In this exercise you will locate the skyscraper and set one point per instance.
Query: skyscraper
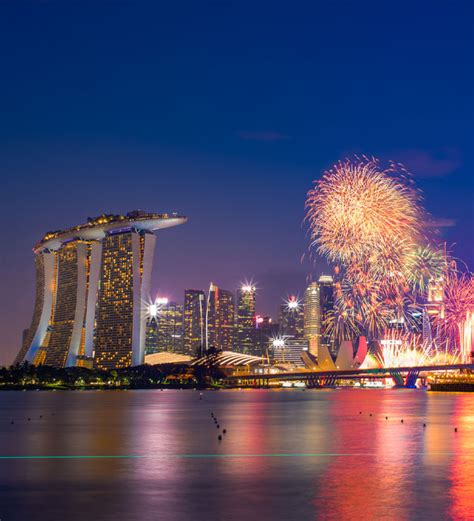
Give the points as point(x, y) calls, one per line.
point(265, 331)
point(91, 283)
point(194, 322)
point(326, 298)
point(220, 315)
point(245, 319)
point(312, 317)
point(291, 318)
point(165, 329)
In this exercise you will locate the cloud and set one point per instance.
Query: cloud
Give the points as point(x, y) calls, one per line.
point(268, 136)
point(442, 222)
point(437, 163)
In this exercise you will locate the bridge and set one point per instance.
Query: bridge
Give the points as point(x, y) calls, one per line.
point(402, 376)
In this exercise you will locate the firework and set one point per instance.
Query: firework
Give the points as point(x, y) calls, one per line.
point(359, 210)
point(422, 265)
point(456, 319)
point(406, 350)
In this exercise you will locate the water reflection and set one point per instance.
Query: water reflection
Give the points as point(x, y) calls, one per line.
point(287, 455)
point(461, 470)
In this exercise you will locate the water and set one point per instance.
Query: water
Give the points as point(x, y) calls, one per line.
point(287, 455)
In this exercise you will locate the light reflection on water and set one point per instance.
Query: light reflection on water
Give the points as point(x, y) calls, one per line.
point(313, 456)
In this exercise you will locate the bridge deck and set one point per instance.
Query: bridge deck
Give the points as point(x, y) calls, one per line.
point(351, 373)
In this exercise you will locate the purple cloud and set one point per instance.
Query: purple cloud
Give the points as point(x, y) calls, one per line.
point(269, 136)
point(438, 163)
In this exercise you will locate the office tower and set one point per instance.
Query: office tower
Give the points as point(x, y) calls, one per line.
point(291, 318)
point(265, 331)
point(312, 317)
point(194, 322)
point(245, 319)
point(220, 314)
point(91, 283)
point(326, 299)
point(289, 350)
point(165, 328)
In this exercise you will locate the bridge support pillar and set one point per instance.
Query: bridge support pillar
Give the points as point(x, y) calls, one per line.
point(397, 377)
point(411, 378)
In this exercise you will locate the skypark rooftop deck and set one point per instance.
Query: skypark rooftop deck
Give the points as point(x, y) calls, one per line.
point(97, 227)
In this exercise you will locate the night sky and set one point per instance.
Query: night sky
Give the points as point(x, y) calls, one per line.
point(224, 112)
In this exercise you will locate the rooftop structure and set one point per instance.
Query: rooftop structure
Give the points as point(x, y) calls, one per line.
point(96, 228)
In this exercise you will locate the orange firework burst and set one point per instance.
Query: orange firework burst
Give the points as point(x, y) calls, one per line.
point(359, 210)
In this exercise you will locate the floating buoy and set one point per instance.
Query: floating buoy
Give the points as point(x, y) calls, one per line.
point(401, 421)
point(370, 414)
point(224, 431)
point(424, 425)
point(217, 425)
point(29, 419)
point(219, 437)
point(455, 429)
point(386, 417)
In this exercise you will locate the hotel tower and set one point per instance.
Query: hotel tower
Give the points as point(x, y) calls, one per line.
point(92, 286)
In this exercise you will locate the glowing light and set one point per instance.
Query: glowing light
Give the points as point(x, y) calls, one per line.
point(247, 287)
point(153, 310)
point(293, 303)
point(278, 342)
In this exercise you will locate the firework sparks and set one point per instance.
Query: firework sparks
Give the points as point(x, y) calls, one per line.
point(423, 265)
point(457, 318)
point(358, 210)
point(405, 350)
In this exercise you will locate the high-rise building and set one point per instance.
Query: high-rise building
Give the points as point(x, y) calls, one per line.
point(220, 315)
point(291, 318)
point(165, 329)
point(245, 320)
point(91, 284)
point(194, 322)
point(265, 331)
point(326, 299)
point(312, 317)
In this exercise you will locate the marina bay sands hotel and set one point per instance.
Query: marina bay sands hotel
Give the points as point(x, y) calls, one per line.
point(92, 285)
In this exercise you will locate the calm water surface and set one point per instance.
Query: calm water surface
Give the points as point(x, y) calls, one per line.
point(287, 455)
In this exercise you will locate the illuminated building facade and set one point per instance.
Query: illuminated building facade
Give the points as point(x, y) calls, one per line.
point(245, 320)
point(291, 318)
point(326, 300)
point(290, 351)
point(164, 332)
point(91, 283)
point(312, 317)
point(220, 315)
point(194, 318)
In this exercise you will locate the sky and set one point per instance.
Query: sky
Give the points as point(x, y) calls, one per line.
point(225, 112)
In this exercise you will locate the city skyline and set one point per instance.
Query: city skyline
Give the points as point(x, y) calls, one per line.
point(233, 138)
point(302, 347)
